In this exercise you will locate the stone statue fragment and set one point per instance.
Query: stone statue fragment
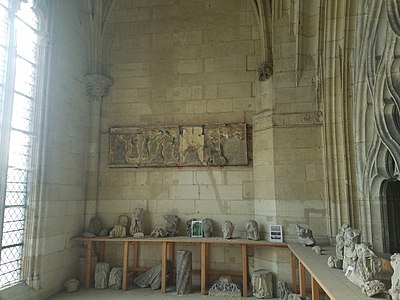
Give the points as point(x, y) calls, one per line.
point(367, 265)
point(252, 230)
point(71, 285)
point(137, 225)
point(208, 227)
point(115, 279)
point(101, 274)
point(224, 287)
point(372, 288)
point(305, 236)
point(227, 229)
point(183, 272)
point(333, 262)
point(285, 293)
point(394, 291)
point(351, 238)
point(159, 232)
point(152, 277)
point(94, 225)
point(261, 281)
point(317, 249)
point(340, 241)
point(171, 224)
point(119, 230)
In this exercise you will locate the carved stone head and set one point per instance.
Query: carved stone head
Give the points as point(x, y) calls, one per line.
point(208, 227)
point(227, 229)
point(252, 230)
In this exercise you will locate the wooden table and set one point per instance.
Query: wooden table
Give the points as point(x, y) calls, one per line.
point(331, 281)
point(168, 244)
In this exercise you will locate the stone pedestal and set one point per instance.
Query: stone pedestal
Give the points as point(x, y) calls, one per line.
point(261, 281)
point(183, 272)
point(101, 275)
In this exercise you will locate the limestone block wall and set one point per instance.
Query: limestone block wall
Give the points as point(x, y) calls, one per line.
point(64, 184)
point(186, 62)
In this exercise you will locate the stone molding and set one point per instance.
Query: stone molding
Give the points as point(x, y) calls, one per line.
point(298, 119)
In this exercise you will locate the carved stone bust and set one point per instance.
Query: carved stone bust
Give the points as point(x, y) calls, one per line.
point(227, 229)
point(252, 230)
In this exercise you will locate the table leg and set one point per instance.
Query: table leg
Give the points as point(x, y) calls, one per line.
point(89, 245)
point(302, 281)
point(164, 267)
point(314, 289)
point(102, 251)
point(125, 266)
point(294, 275)
point(244, 269)
point(135, 256)
point(203, 270)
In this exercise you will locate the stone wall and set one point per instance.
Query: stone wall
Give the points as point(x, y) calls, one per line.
point(179, 63)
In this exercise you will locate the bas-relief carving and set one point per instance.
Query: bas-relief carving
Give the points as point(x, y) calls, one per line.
point(115, 279)
point(297, 119)
point(101, 275)
point(137, 225)
point(252, 230)
point(216, 145)
point(261, 281)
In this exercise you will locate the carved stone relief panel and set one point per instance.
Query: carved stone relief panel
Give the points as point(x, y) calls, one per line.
point(212, 145)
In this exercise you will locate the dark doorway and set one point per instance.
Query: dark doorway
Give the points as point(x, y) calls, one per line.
point(390, 193)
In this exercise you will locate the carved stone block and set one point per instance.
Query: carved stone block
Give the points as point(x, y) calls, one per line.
point(394, 291)
point(261, 281)
point(101, 275)
point(183, 272)
point(224, 287)
point(115, 279)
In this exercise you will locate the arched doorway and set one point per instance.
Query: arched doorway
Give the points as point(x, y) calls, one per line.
point(390, 196)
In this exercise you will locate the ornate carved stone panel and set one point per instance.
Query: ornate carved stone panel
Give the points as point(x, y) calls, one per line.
point(212, 145)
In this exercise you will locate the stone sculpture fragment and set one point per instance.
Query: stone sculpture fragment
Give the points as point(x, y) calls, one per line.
point(394, 290)
point(183, 272)
point(305, 236)
point(351, 238)
point(227, 229)
point(372, 288)
point(159, 232)
point(137, 225)
point(115, 279)
point(261, 281)
point(208, 227)
point(152, 277)
point(171, 224)
point(224, 287)
point(340, 241)
point(252, 230)
point(71, 285)
point(119, 230)
point(101, 275)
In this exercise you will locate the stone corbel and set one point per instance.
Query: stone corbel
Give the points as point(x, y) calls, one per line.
point(97, 86)
point(264, 71)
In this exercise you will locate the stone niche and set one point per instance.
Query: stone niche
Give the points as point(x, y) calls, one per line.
point(206, 145)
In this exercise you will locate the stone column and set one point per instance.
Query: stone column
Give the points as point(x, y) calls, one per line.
point(183, 272)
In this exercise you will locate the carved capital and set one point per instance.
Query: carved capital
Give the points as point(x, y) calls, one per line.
point(97, 86)
point(265, 71)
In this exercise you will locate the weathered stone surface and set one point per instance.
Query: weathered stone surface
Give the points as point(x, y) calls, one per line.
point(351, 238)
point(71, 285)
point(208, 227)
point(137, 225)
point(252, 230)
point(224, 287)
point(119, 230)
point(152, 277)
point(171, 224)
point(317, 249)
point(227, 229)
point(261, 281)
point(183, 272)
point(340, 241)
point(372, 288)
point(159, 232)
point(305, 236)
point(101, 275)
point(95, 225)
point(115, 279)
point(394, 290)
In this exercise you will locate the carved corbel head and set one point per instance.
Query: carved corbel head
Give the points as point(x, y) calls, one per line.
point(265, 71)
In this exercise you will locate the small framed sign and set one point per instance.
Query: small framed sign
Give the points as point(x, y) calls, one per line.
point(197, 228)
point(275, 234)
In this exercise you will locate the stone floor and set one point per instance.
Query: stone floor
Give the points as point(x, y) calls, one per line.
point(137, 294)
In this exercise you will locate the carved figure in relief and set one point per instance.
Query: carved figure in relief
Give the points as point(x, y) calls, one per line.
point(227, 229)
point(171, 224)
point(208, 227)
point(305, 236)
point(394, 291)
point(119, 230)
point(159, 232)
point(252, 230)
point(340, 241)
point(137, 225)
point(101, 275)
point(372, 288)
point(261, 281)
